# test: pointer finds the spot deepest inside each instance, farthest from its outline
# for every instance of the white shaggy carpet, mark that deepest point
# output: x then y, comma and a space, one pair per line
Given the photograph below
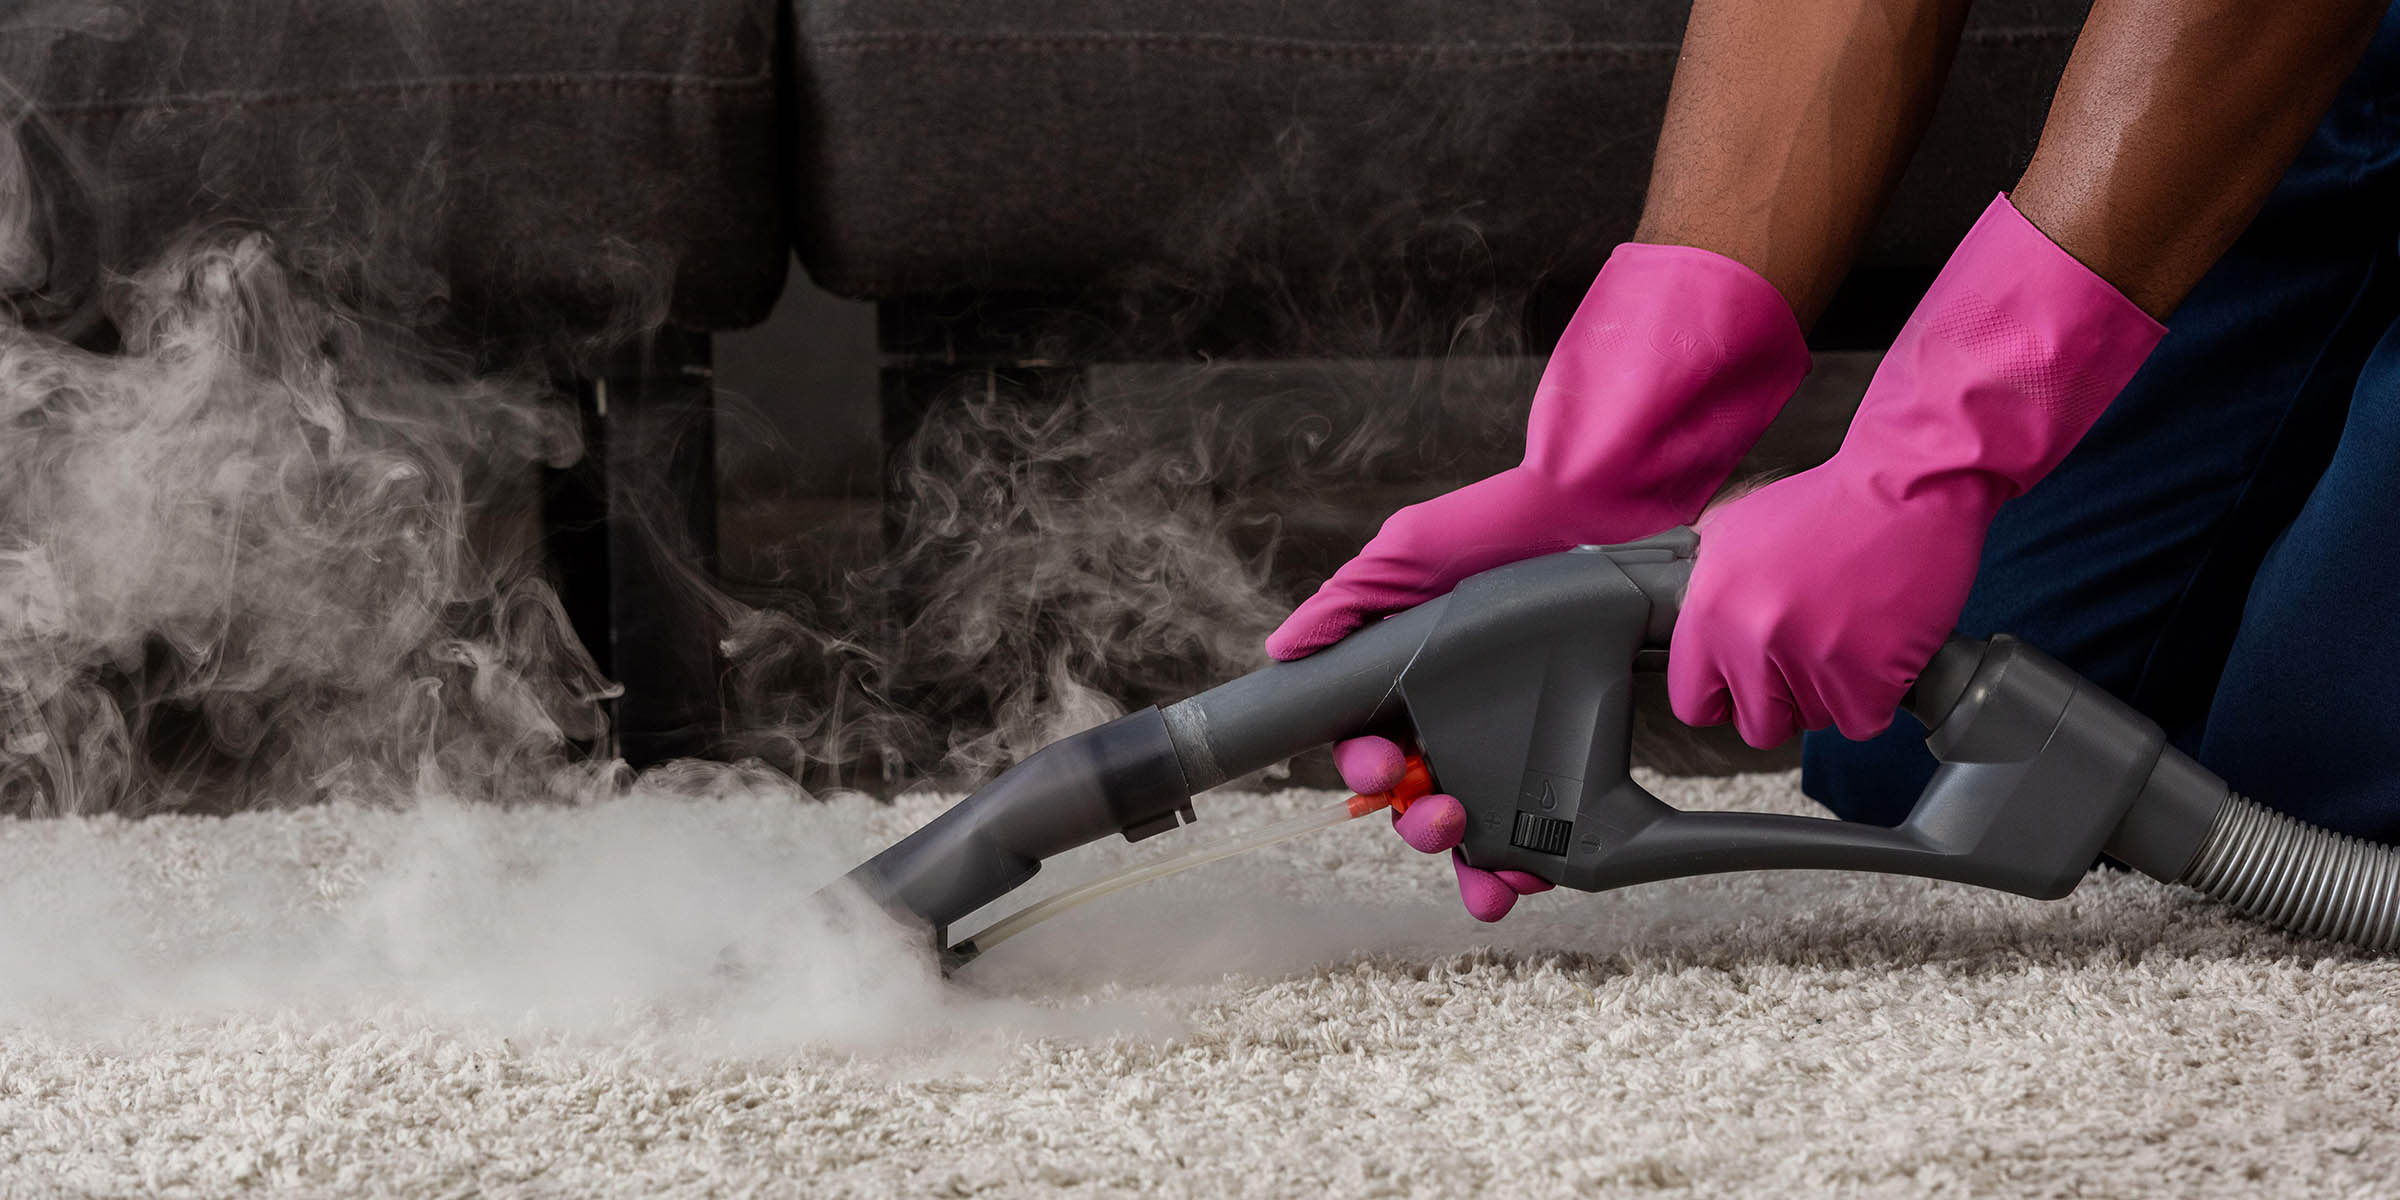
343, 1001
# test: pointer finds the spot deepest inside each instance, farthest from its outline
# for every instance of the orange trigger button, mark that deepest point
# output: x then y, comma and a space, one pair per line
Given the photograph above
1415, 783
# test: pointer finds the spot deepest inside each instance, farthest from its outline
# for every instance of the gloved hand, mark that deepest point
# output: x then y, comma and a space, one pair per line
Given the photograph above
1432, 824
1671, 368
1817, 599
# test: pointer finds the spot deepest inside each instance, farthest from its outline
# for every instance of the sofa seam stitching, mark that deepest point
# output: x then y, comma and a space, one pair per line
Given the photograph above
459, 84
1274, 47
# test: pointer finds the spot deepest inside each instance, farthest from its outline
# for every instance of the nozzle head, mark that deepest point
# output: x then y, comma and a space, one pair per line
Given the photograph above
1121, 777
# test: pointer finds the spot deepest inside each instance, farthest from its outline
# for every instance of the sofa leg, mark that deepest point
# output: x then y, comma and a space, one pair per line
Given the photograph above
633, 533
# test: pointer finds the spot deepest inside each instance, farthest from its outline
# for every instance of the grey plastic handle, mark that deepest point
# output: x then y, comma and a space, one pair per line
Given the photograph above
1662, 568
1518, 686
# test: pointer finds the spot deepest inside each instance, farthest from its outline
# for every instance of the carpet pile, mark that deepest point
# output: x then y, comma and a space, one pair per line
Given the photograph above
634, 998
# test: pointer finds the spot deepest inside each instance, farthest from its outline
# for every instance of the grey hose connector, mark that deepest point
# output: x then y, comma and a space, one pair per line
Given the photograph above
2299, 876
2013, 726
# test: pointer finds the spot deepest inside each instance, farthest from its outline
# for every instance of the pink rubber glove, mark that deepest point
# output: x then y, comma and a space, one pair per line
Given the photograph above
1432, 824
1671, 369
1817, 599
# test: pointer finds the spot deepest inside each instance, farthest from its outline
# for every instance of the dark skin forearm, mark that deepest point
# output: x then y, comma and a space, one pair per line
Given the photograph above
1787, 126
1789, 123
2174, 121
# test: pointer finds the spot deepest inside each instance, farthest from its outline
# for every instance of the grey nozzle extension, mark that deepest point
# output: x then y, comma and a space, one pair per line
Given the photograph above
1943, 682
1518, 688
1356, 685
1121, 777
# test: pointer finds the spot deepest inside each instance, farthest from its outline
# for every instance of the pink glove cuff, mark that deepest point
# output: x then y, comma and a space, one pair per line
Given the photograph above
1818, 598
2033, 345
1673, 366
1683, 356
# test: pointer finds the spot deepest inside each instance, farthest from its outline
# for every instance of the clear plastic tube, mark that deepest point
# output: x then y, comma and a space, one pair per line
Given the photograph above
1266, 835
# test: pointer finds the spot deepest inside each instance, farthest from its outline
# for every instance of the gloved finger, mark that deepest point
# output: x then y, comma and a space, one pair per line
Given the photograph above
1321, 620
1523, 883
1860, 719
1809, 710
1862, 730
1433, 823
1764, 717
1488, 897
1695, 688
1389, 573
1369, 764
1862, 702
1421, 551
1701, 704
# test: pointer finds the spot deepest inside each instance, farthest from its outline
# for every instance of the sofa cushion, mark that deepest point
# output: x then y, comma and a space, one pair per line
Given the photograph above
539, 165
1057, 144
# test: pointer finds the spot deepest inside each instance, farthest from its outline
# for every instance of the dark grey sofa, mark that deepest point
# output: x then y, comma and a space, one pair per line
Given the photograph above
554, 174
951, 146
523, 174
525, 152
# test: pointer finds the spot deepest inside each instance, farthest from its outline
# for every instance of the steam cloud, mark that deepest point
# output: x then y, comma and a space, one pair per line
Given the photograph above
673, 912
235, 553
264, 541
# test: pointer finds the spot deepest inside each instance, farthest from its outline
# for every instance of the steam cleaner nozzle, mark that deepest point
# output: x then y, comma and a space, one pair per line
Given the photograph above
1415, 782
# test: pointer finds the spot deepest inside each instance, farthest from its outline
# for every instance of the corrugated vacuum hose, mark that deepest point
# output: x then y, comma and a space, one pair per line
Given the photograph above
2301, 877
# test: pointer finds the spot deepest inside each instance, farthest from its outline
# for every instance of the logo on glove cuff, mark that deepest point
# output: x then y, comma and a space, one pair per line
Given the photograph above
1690, 349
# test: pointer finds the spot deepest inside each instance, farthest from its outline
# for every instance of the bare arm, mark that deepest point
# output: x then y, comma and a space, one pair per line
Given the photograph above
2174, 121
1787, 126
1789, 123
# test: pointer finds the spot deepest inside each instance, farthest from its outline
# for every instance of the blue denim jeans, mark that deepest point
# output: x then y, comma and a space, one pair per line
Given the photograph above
2223, 549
